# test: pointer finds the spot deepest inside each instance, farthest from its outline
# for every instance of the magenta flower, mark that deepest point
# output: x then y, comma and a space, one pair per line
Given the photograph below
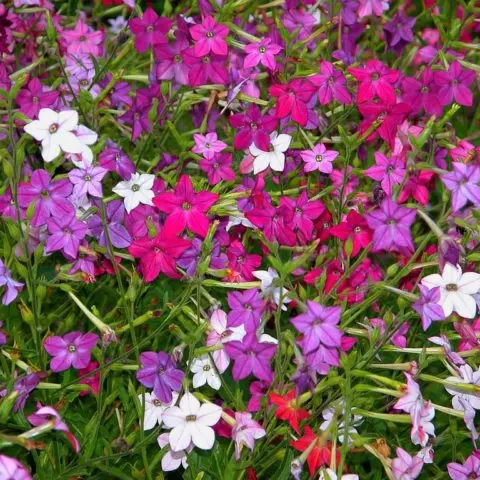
50, 197
404, 466
331, 84
251, 357
218, 168
186, 208
12, 287
142, 220
208, 145
87, 180
367, 8
210, 68
319, 158
245, 309
170, 62
463, 183
354, 227
137, 117
240, 263
209, 36
319, 326
454, 85
423, 93
83, 39
391, 227
158, 371
73, 349
261, 52
427, 306
33, 98
150, 30
114, 159
12, 469
388, 171
66, 234
245, 432
469, 469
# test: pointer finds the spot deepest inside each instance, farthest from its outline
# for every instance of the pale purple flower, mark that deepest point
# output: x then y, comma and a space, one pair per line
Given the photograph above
23, 387
87, 180
261, 52
319, 158
208, 145
463, 183
73, 349
66, 234
468, 470
444, 342
172, 460
427, 306
422, 428
12, 469
12, 287
406, 466
460, 398
245, 432
245, 309
388, 171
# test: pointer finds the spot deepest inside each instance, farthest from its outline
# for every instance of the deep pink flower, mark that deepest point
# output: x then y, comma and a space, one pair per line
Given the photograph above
454, 85
355, 227
331, 84
416, 187
83, 39
218, 168
150, 30
423, 93
185, 207
261, 52
33, 98
240, 263
170, 62
209, 68
93, 380
388, 171
209, 36
142, 221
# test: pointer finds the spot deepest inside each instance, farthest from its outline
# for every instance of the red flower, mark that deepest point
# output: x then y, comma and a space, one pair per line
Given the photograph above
355, 227
288, 409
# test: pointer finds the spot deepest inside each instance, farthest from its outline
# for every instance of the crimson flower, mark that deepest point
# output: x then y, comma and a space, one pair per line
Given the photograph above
186, 208
355, 227
287, 409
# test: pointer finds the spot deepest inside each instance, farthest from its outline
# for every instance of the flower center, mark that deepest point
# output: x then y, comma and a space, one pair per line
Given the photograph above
206, 368
262, 49
191, 418
271, 148
248, 307
357, 229
160, 371
424, 89
72, 348
150, 29
451, 287
318, 158
207, 145
67, 231
216, 165
186, 206
117, 157
44, 194
390, 168
83, 38
375, 76
455, 81
177, 58
87, 178
391, 222
156, 250
209, 34
53, 128
240, 259
136, 116
157, 402
35, 100
253, 125
206, 59
135, 187
84, 82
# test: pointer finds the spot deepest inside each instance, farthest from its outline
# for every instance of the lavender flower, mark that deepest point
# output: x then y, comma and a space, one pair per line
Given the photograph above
463, 183
12, 287
427, 306
246, 309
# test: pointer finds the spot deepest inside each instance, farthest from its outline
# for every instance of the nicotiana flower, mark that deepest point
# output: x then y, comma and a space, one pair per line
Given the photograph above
334, 414
406, 466
470, 469
428, 307
172, 460
388, 171
191, 422
461, 399
56, 132
261, 52
137, 190
73, 349
245, 432
208, 145
87, 180
274, 157
204, 372
269, 289
12, 469
209, 36
319, 158
457, 290
154, 409
463, 183
66, 234
12, 287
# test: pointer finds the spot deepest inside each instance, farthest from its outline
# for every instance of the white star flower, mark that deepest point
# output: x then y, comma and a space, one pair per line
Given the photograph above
137, 190
204, 372
154, 409
274, 157
267, 278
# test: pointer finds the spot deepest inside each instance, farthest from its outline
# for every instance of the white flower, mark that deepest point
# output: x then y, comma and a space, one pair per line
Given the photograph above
117, 24
462, 400
233, 221
154, 409
192, 422
55, 131
204, 372
274, 158
137, 190
172, 460
329, 474
456, 290
334, 413
85, 157
267, 278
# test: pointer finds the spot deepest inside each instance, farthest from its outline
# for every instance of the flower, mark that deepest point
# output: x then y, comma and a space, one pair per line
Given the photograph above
55, 131
209, 36
428, 307
149, 30
208, 145
319, 158
23, 387
355, 228
333, 414
469, 469
33, 98
83, 39
218, 168
158, 371
112, 158
461, 399
388, 171
288, 409
331, 84
73, 349
456, 290
87, 180
329, 474
262, 52
172, 460
154, 409
372, 7
11, 468
186, 208
463, 183
274, 157
245, 309
204, 372
137, 190
66, 234
454, 85
406, 466
191, 422
267, 278
12, 286
245, 432
93, 380
423, 93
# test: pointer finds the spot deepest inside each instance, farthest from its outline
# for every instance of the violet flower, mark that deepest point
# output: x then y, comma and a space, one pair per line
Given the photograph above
114, 159
455, 85
87, 180
463, 183
427, 306
12, 287
66, 234
246, 309
149, 30
469, 469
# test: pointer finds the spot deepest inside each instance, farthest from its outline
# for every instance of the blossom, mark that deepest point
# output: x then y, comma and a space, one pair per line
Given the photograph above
73, 349
269, 289
149, 30
354, 227
66, 234
399, 32
11, 468
87, 180
55, 131
329, 474
406, 466
428, 307
154, 409
319, 158
158, 371
456, 290
462, 399
422, 427
444, 342
171, 62
191, 422
112, 158
23, 387
423, 93
331, 84
463, 183
208, 145
83, 40
33, 98
12, 287
172, 460
209, 36
454, 85
245, 432
288, 408
218, 168
137, 116
372, 7
333, 414
186, 208
388, 171
137, 190
469, 469
204, 372
274, 157
262, 52
245, 309
93, 380
210, 67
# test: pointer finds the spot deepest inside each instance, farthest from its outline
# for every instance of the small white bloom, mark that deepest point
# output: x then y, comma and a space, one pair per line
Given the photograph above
204, 372
274, 157
85, 157
56, 132
191, 423
329, 474
462, 400
154, 409
267, 278
335, 413
233, 221
117, 24
456, 290
172, 460
137, 190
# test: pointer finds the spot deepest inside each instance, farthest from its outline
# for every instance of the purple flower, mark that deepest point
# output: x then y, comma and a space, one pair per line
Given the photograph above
114, 159
12, 287
142, 220
85, 262
12, 469
245, 432
463, 183
170, 63
470, 469
423, 93
118, 234
160, 373
331, 84
149, 30
24, 387
87, 180
388, 171
405, 466
50, 197
305, 378
261, 52
33, 98
190, 257
427, 306
7, 205
210, 68
318, 325
455, 84
245, 309
137, 117
251, 357
66, 234
391, 227
218, 168
73, 349
399, 32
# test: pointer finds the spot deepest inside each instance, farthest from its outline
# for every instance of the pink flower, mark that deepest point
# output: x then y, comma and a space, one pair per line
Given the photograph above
150, 30
11, 468
331, 84
83, 39
93, 380
454, 85
261, 52
209, 68
423, 93
245, 432
208, 145
33, 98
406, 467
356, 228
388, 171
218, 168
209, 36
319, 158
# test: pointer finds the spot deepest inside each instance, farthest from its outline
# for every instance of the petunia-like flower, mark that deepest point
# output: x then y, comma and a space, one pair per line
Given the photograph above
261, 52
461, 399
319, 158
87, 180
274, 157
115, 159
137, 190
149, 30
428, 307
137, 116
154, 409
208, 145
12, 287
245, 309
186, 208
55, 131
423, 93
218, 168
12, 469
83, 39
209, 68
66, 233
73, 349
209, 36
191, 422
288, 409
172, 460
456, 290
406, 466
93, 380
354, 227
468, 470
422, 427
170, 62
455, 85
33, 98
245, 432
367, 8
204, 372
251, 357
391, 227
23, 387
387, 171
399, 32
331, 84
269, 289
463, 183
158, 371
